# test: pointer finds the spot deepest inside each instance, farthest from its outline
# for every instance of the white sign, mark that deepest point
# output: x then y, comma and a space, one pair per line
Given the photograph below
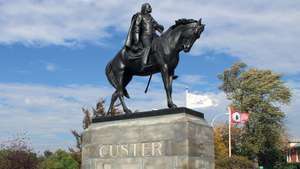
236, 117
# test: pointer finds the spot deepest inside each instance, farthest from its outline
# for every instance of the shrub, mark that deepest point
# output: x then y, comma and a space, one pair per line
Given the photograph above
59, 160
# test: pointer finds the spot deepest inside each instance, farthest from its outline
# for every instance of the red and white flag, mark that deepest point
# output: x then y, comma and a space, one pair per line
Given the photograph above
237, 117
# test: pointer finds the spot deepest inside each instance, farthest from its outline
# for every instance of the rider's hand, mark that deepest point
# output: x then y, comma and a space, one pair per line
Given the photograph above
161, 28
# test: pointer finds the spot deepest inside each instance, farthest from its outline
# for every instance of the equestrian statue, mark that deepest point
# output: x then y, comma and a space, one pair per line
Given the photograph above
146, 53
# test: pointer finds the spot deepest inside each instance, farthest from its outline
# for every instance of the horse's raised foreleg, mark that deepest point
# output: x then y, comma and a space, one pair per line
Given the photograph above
167, 79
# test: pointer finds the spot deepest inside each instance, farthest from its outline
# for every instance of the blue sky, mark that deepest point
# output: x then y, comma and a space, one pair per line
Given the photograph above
53, 54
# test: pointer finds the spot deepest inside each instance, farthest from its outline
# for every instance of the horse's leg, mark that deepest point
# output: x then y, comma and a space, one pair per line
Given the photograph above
167, 79
127, 78
171, 78
122, 77
114, 97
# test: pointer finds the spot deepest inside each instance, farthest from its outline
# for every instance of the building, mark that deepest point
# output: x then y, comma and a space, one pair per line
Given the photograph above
293, 153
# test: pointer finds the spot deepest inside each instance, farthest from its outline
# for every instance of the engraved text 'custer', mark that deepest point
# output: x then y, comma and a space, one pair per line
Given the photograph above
131, 150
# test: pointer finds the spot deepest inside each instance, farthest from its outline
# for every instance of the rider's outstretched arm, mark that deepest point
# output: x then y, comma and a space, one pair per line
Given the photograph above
157, 26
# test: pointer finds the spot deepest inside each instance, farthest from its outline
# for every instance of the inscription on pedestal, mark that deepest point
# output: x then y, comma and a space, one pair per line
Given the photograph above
146, 149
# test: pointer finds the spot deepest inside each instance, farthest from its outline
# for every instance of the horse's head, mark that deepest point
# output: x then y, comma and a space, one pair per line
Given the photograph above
191, 31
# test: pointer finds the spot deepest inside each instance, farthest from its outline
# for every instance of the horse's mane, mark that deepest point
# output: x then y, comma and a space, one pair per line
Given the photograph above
182, 21
178, 23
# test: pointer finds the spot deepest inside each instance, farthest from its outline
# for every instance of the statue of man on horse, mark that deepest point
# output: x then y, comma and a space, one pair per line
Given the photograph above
145, 53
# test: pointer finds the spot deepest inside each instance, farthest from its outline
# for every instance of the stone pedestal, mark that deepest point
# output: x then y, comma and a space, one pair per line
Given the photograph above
164, 139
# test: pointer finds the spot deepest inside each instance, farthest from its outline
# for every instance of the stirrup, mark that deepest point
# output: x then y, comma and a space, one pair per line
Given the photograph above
145, 66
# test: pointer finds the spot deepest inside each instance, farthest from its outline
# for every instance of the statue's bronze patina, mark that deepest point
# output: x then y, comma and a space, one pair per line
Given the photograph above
146, 53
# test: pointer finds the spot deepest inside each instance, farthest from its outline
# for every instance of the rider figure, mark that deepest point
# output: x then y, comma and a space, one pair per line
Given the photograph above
142, 29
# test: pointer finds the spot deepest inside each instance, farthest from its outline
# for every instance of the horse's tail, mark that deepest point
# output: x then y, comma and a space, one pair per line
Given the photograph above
112, 80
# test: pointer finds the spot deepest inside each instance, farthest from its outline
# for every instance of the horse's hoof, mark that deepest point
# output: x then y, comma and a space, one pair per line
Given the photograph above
128, 111
172, 106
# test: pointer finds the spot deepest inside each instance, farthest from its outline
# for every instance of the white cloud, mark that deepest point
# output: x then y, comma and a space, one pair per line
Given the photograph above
262, 33
60, 22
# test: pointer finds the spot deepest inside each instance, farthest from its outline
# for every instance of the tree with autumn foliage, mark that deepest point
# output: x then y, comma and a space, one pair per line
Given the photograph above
221, 148
17, 154
222, 161
261, 93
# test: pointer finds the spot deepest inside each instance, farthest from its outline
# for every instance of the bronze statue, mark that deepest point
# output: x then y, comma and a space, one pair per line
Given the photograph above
146, 53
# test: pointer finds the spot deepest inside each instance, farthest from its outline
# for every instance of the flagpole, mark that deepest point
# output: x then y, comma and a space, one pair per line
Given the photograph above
186, 96
229, 132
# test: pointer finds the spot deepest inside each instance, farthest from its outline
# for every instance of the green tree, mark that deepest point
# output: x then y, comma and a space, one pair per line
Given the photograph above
59, 160
234, 162
261, 93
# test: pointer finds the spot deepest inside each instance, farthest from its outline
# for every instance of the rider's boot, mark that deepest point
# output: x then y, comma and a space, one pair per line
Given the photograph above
175, 77
145, 58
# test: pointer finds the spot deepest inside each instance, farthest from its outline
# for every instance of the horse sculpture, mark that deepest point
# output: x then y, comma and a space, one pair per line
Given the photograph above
163, 58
